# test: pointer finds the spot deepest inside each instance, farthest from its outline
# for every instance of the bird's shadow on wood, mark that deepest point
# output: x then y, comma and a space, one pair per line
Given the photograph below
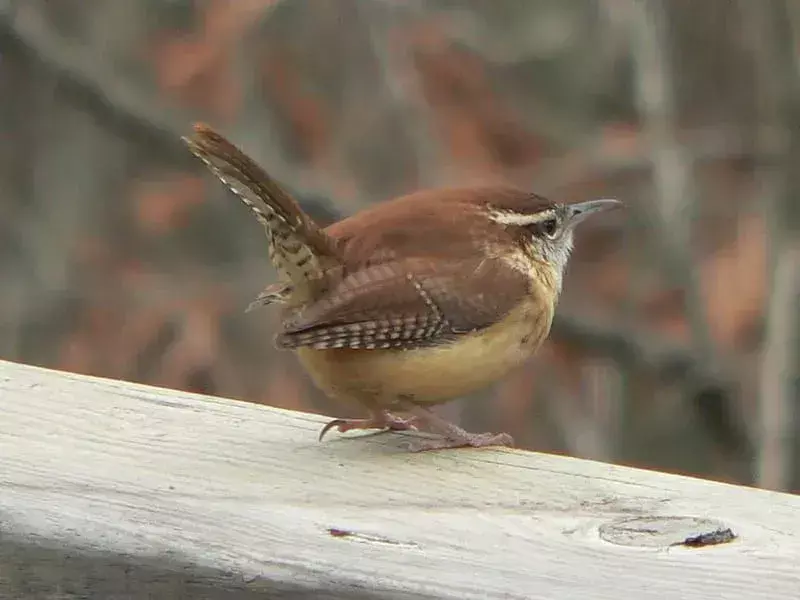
392, 445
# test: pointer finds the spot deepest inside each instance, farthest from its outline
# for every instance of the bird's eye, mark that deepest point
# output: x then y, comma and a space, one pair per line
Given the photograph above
549, 227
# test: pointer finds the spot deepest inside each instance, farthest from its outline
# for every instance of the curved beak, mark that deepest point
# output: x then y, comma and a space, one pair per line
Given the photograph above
580, 210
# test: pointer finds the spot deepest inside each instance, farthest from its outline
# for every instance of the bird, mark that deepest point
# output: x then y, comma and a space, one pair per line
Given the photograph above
411, 302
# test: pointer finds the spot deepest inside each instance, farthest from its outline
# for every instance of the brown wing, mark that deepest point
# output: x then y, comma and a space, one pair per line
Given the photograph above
405, 304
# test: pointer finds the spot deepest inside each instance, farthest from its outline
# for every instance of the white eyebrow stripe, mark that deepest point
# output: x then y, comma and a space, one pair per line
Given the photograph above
512, 218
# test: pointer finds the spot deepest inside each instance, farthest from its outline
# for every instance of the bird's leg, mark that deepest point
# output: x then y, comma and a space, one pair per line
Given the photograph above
380, 419
453, 435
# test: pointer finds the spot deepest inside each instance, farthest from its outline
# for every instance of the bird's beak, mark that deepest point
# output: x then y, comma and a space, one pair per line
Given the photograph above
580, 210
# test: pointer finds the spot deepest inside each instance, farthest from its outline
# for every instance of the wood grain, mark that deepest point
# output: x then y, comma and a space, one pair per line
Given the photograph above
116, 490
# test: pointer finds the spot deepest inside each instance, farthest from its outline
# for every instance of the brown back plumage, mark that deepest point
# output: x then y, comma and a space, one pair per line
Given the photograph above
420, 220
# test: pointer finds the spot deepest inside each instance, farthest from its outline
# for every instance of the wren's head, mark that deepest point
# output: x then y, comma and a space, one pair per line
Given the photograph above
544, 229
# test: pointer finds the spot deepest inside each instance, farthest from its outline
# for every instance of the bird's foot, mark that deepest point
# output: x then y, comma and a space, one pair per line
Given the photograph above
463, 440
383, 420
453, 436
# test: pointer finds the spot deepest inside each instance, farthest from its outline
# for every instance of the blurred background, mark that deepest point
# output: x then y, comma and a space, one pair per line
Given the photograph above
677, 343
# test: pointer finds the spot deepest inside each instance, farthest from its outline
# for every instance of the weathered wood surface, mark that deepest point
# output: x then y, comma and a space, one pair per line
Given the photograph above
115, 490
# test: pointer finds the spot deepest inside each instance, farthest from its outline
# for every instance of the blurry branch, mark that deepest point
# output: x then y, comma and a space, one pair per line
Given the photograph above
95, 86
595, 158
402, 81
636, 349
672, 169
588, 418
774, 43
578, 430
90, 82
519, 41
671, 219
777, 389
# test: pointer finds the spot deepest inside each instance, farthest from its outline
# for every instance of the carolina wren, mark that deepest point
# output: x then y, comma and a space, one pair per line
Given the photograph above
414, 301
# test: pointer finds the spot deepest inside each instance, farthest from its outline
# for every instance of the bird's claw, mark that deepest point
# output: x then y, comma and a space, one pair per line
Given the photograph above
330, 425
386, 422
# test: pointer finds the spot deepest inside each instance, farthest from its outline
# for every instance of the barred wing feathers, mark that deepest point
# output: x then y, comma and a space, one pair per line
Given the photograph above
405, 304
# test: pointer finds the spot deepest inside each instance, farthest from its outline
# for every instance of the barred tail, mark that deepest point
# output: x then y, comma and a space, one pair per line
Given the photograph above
299, 249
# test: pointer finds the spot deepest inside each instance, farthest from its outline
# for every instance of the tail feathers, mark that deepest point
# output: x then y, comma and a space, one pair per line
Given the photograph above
261, 193
299, 248
276, 293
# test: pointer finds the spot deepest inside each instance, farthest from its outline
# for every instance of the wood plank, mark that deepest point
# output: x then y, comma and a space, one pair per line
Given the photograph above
111, 489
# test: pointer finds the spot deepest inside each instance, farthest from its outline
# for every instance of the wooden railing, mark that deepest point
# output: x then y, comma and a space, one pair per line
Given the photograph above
114, 490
